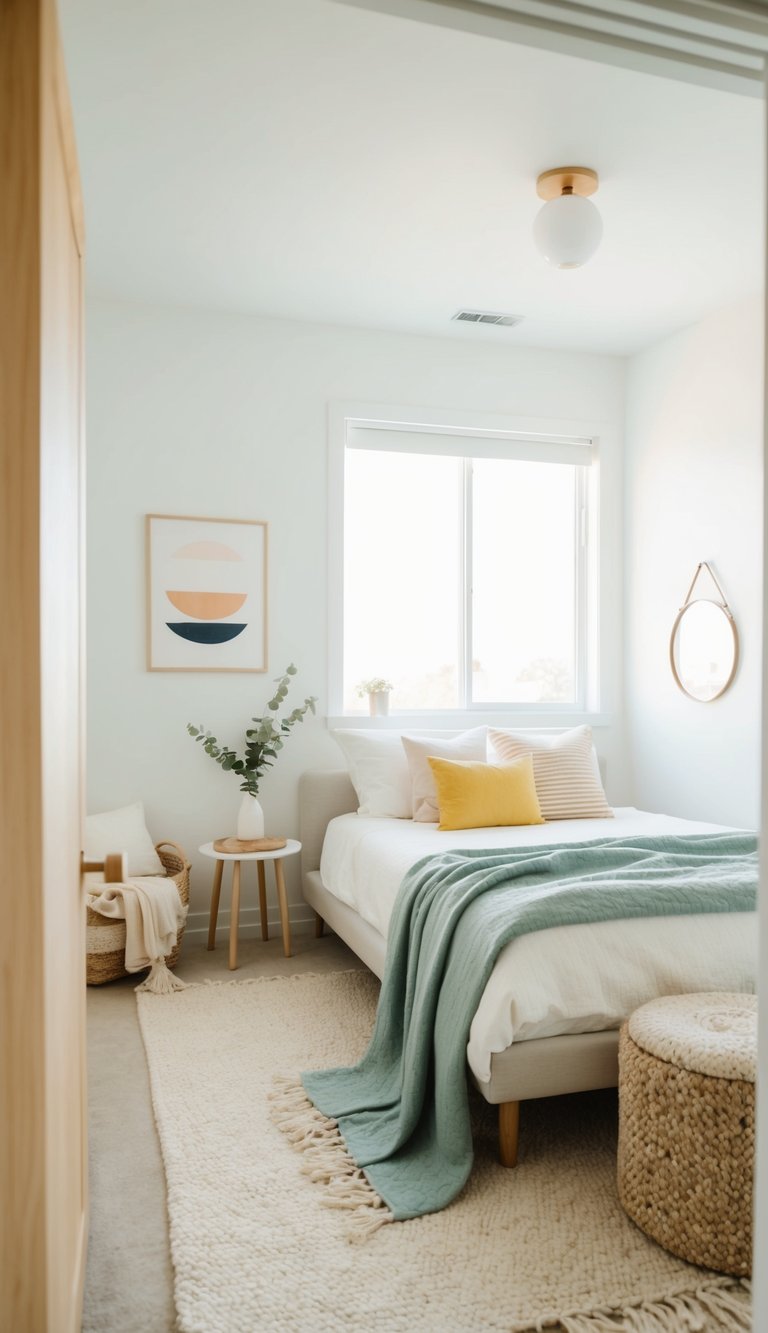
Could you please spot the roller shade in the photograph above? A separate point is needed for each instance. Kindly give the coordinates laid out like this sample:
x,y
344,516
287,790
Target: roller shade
x,y
469,444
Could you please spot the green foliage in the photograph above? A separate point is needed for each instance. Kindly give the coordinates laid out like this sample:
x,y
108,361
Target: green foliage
x,y
376,685
263,741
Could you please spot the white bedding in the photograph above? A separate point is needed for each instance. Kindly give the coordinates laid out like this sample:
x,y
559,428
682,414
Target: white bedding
x,y
568,979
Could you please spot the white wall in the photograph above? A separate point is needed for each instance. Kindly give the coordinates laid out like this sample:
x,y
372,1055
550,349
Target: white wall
x,y
693,488
191,412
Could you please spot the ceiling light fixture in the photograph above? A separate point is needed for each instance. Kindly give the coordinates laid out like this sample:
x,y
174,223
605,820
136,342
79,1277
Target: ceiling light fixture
x,y
567,230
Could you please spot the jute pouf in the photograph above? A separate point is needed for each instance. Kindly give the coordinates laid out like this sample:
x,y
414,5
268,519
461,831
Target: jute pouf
x,y
687,1125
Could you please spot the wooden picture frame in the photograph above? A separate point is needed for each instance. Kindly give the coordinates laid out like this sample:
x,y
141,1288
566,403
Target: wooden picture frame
x,y
206,593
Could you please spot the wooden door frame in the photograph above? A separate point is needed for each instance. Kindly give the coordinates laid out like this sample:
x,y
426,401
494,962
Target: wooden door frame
x,y
36,1290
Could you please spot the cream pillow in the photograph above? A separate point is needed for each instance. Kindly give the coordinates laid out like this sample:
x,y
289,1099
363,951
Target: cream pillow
x,y
469,745
378,770
480,795
567,777
123,830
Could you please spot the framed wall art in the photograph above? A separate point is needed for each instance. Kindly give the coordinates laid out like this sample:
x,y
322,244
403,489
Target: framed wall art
x,y
206,594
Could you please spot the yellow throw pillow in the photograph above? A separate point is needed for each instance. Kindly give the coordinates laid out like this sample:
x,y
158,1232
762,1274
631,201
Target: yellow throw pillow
x,y
477,795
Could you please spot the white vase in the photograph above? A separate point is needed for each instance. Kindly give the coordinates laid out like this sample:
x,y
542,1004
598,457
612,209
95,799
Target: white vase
x,y
250,819
378,703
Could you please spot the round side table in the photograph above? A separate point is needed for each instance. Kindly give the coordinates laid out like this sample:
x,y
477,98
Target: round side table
x,y
236,858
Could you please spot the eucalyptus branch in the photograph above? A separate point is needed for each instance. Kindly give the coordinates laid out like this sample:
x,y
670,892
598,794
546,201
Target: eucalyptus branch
x,y
263,741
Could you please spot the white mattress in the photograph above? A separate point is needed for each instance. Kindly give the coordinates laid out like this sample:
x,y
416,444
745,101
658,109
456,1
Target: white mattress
x,y
568,979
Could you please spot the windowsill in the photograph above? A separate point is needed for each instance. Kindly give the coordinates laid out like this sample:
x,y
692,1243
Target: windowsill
x,y
460,719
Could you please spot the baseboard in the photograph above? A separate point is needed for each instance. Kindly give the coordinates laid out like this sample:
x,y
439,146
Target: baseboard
x,y
249,927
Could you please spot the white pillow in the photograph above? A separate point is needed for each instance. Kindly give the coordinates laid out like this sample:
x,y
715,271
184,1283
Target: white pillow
x,y
378,769
468,745
123,830
565,771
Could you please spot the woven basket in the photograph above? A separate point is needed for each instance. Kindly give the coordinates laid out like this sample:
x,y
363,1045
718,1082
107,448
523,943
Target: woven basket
x,y
105,937
686,1158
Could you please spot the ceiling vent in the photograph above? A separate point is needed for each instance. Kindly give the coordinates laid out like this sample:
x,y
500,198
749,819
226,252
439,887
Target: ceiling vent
x,y
487,317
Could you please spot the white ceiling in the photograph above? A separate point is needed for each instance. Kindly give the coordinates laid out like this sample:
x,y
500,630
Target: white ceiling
x,y
308,159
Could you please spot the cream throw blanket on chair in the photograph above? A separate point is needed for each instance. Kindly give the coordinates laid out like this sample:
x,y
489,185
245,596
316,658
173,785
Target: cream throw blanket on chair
x,y
153,913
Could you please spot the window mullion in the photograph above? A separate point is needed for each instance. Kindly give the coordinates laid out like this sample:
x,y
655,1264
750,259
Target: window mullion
x,y
465,647
580,590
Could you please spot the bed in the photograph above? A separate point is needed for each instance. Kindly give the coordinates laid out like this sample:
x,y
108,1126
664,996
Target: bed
x,y
549,1017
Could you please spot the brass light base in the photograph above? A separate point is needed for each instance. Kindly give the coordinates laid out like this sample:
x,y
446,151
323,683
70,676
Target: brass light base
x,y
570,180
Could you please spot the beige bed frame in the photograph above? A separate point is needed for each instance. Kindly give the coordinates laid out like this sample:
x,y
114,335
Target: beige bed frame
x,y
545,1067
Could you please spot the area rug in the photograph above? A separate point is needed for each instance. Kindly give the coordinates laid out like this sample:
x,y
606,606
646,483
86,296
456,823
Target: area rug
x,y
255,1248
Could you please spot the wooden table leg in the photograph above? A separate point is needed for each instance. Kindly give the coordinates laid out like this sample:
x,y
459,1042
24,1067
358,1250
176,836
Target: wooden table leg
x,y
217,874
263,900
234,918
319,925
283,904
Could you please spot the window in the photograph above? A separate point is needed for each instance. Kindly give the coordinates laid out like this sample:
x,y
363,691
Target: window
x,y
465,569
524,581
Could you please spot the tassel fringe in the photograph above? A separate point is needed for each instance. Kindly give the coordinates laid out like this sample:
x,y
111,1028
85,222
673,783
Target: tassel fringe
x,y
327,1160
687,1312
160,980
281,977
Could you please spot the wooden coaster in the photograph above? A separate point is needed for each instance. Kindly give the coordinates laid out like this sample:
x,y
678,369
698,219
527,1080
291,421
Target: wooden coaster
x,y
234,845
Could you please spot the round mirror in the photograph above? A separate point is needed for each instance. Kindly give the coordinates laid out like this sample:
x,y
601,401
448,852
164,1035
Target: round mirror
x,y
703,650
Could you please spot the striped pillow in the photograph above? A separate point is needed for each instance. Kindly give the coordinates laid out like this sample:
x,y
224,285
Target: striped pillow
x,y
565,771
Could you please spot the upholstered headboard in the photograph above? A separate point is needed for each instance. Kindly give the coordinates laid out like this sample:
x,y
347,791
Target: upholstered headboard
x,y
323,794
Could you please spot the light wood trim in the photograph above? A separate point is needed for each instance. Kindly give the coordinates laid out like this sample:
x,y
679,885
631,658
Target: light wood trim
x,y
263,900
215,895
282,899
23,1286
43,1183
62,627
68,147
509,1127
82,1239
78,229
234,917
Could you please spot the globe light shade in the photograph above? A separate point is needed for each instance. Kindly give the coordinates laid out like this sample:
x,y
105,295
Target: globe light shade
x,y
567,230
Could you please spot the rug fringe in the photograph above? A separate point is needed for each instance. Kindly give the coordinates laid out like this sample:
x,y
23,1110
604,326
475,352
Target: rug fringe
x,y
278,976
160,981
163,988
327,1160
687,1312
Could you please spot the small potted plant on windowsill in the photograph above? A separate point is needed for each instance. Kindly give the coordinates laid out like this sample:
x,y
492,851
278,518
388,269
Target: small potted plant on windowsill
x,y
377,690
262,744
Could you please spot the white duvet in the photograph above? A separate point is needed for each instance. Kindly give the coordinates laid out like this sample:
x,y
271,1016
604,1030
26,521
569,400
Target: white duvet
x,y
568,979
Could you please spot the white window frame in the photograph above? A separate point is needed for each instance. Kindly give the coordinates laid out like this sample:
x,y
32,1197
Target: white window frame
x,y
536,439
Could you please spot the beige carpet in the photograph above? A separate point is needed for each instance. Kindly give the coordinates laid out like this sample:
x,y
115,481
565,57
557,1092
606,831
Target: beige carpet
x,y
253,1247
129,1275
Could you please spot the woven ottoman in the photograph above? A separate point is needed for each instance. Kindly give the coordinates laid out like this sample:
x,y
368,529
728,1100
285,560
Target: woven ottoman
x,y
687,1125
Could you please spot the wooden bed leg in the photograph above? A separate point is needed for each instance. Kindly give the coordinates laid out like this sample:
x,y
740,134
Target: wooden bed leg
x,y
509,1124
319,925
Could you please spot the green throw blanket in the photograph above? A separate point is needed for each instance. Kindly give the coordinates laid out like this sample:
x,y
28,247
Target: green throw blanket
x,y
403,1110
